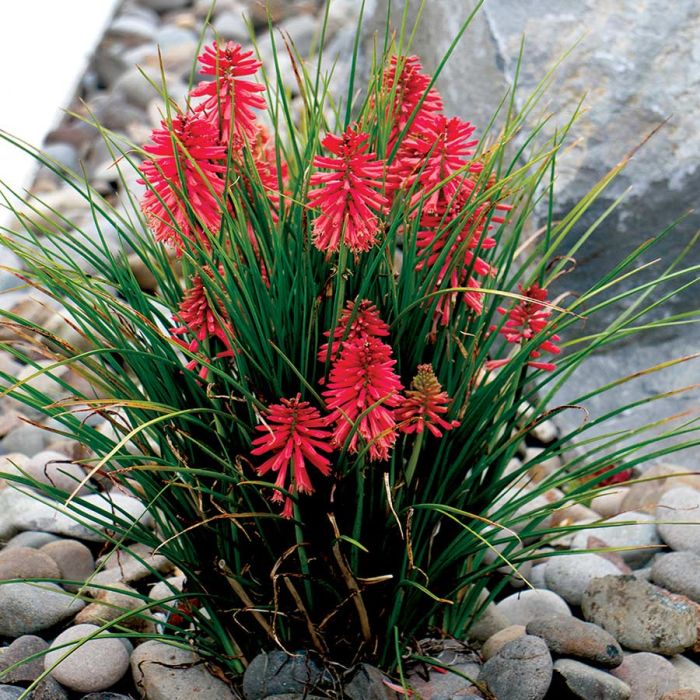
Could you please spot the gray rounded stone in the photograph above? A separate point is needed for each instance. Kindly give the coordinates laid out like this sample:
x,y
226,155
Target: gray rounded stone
x,y
573,679
537,576
275,672
648,675
569,574
568,636
31,538
135,88
10,692
679,572
231,25
9,260
168,588
522,670
645,495
22,648
170,36
55,469
165,5
113,113
27,607
163,672
49,689
125,567
302,27
678,516
681,694
93,665
491,621
47,383
521,608
641,616
21,511
31,438
437,685
688,672
133,27
496,642
13,463
115,506
365,682
106,696
74,560
112,603
639,533
64,155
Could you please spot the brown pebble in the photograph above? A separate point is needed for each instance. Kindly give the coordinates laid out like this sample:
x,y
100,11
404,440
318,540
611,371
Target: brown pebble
x,y
25,562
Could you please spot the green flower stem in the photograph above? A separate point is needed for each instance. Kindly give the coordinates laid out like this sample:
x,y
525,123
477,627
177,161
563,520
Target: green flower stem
x,y
340,289
303,557
411,468
357,525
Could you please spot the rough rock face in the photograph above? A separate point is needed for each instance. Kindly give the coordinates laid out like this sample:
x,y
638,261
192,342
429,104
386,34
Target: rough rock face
x,y
630,66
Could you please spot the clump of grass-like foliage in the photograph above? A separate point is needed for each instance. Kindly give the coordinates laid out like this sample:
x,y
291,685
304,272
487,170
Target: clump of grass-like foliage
x,y
349,339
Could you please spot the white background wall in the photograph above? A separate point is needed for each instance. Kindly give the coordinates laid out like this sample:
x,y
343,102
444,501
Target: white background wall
x,y
44,49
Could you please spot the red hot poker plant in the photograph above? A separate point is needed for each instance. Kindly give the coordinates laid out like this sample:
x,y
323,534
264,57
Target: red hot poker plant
x,y
429,194
306,274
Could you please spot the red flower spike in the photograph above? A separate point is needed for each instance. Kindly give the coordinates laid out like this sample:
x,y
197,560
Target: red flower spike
x,y
265,160
366,323
470,240
188,163
362,376
228,97
526,321
201,318
437,154
348,196
409,87
295,433
424,405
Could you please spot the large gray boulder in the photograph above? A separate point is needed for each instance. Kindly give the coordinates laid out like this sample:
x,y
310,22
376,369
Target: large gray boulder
x,y
631,68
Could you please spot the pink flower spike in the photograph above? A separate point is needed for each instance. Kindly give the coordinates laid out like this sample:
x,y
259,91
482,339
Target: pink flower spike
x,y
187,164
295,434
526,320
228,97
439,155
201,316
424,405
409,85
349,196
363,380
366,323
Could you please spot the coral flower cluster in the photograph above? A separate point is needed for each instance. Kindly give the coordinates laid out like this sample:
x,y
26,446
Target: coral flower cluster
x,y
425,405
348,196
526,323
217,190
294,434
429,160
185,171
367,409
